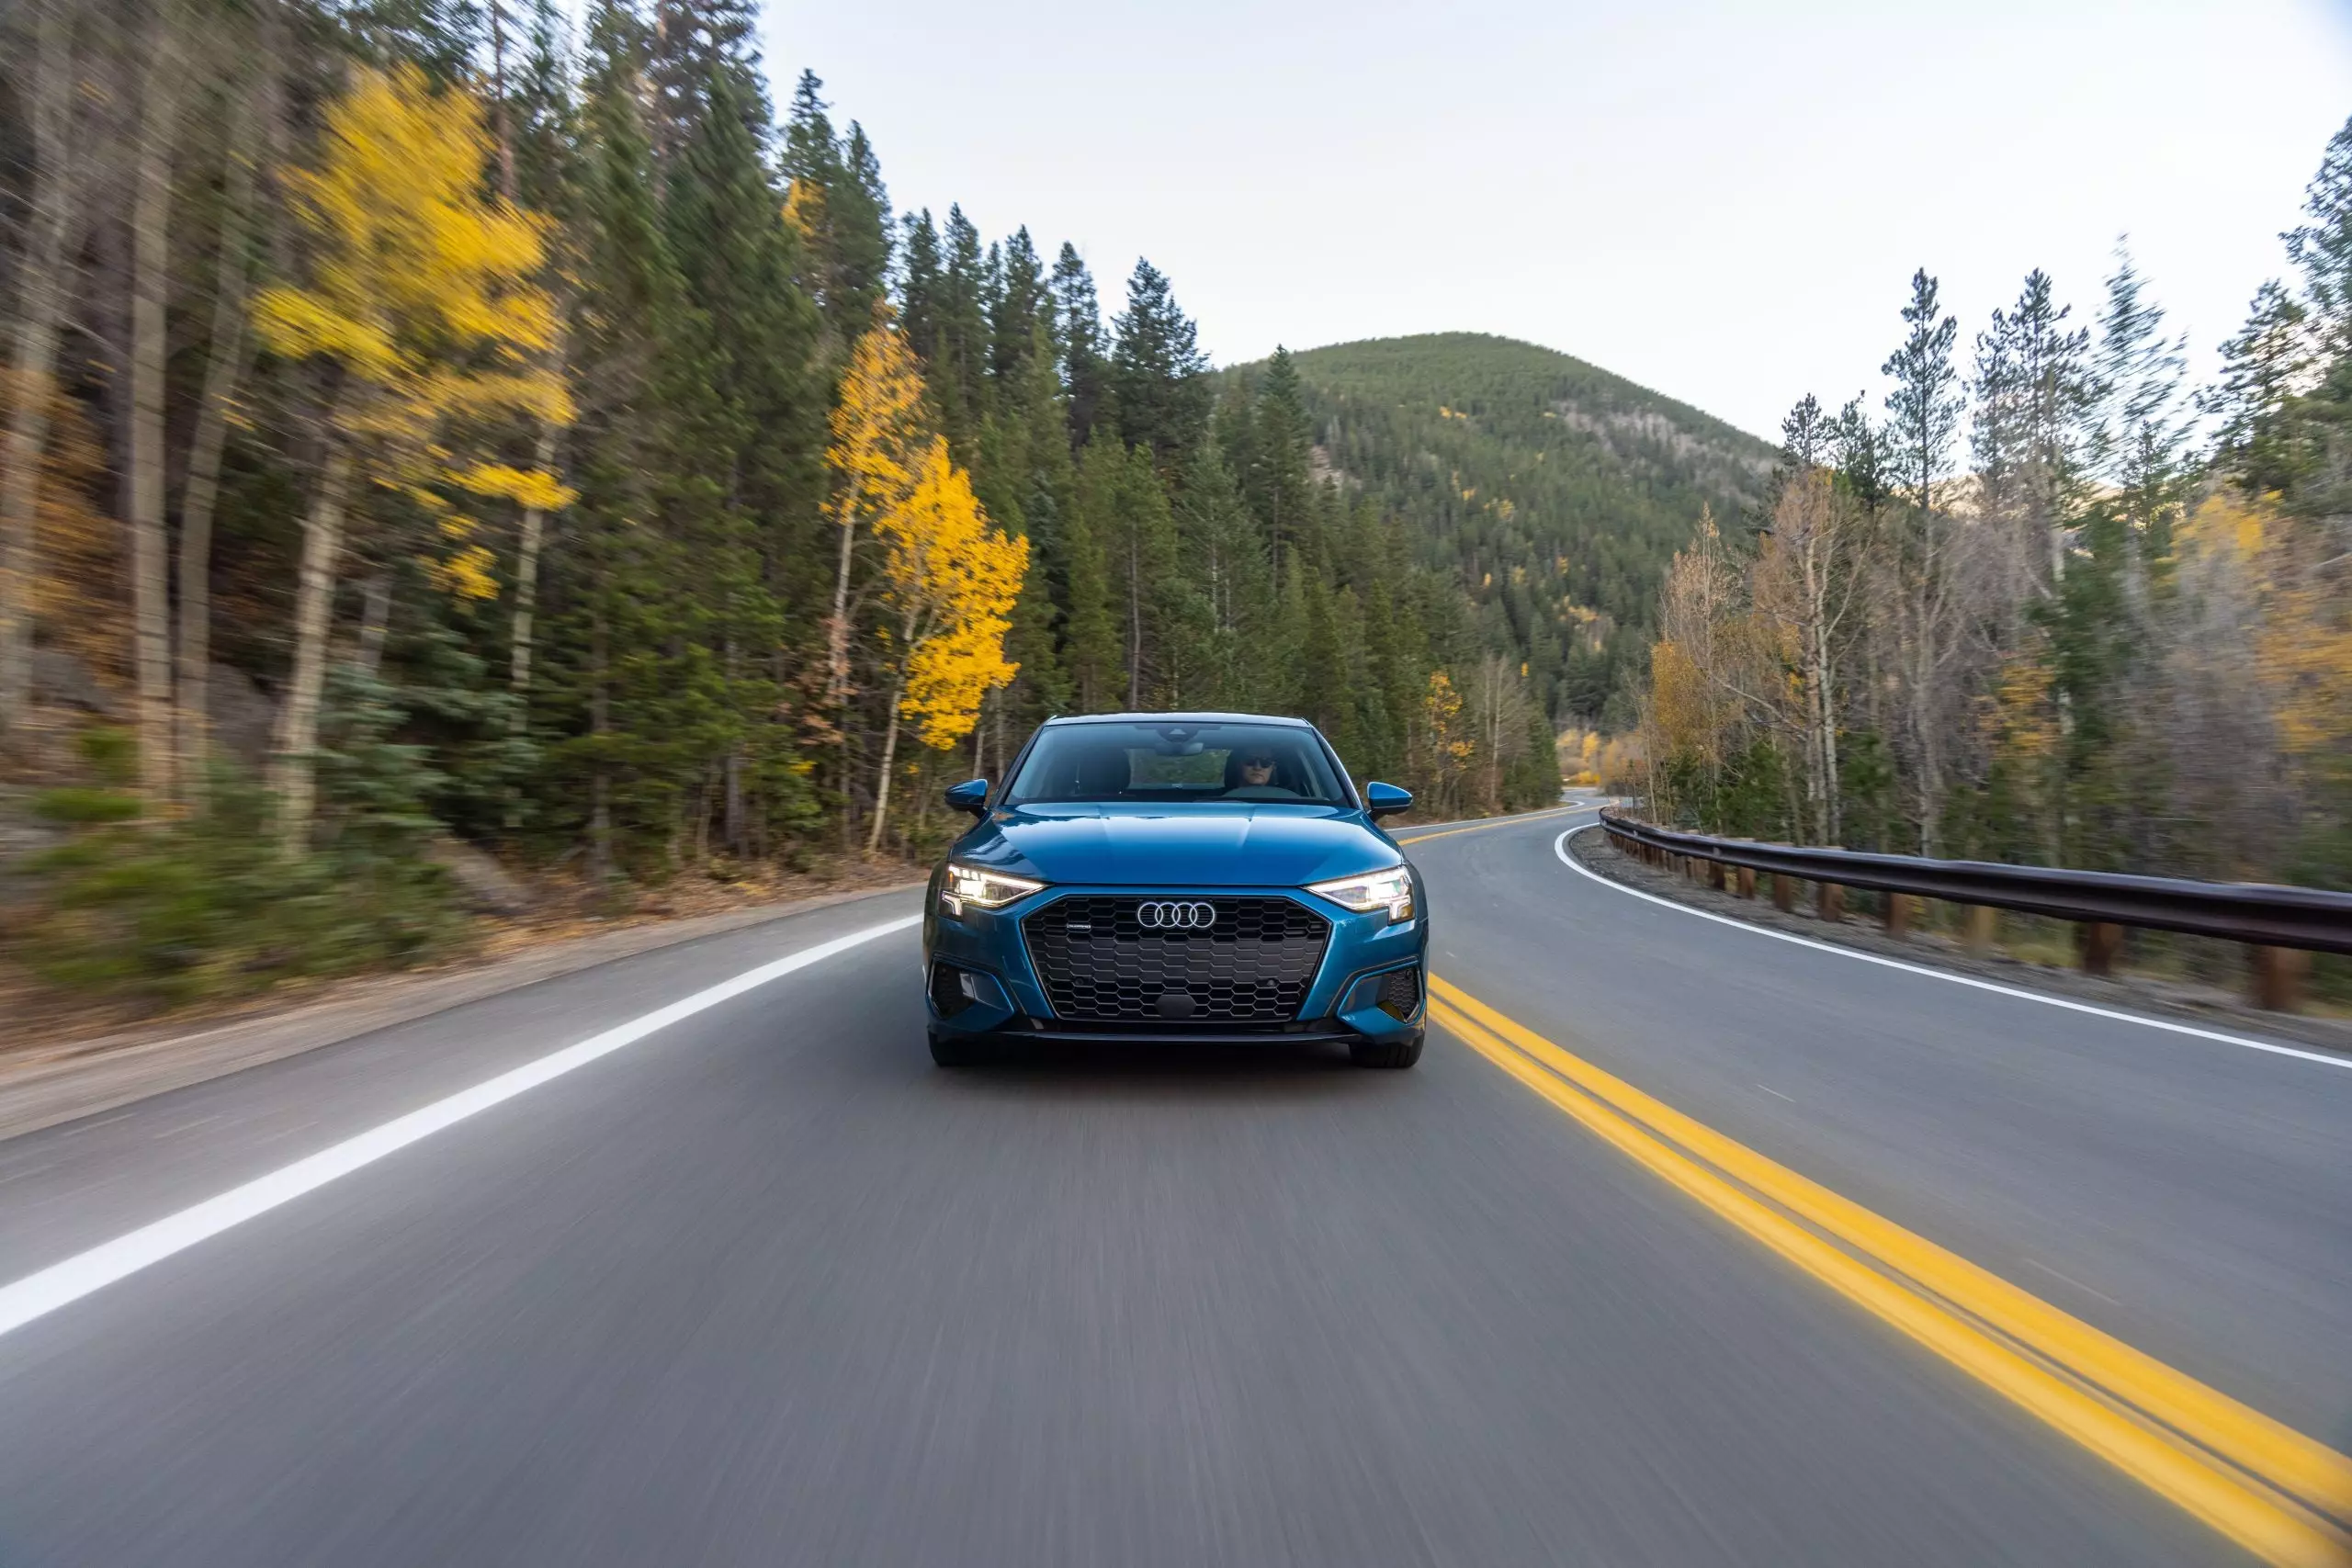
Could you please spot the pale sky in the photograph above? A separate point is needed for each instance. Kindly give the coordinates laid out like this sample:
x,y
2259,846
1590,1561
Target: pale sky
x,y
1722,202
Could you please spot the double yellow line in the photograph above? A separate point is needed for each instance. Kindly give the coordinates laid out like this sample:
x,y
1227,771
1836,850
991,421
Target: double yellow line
x,y
2278,1494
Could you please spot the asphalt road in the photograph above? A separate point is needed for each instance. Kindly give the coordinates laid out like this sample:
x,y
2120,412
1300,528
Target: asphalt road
x,y
764,1287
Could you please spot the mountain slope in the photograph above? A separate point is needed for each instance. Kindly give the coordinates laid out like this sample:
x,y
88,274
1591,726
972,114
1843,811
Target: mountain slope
x,y
1558,492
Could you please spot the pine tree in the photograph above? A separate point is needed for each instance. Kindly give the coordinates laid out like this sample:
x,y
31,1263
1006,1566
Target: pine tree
x,y
1078,335
1805,436
442,38
1031,480
1282,489
2034,397
1020,305
840,208
2261,368
1092,649
958,366
919,284
1858,453
861,213
2321,247
1223,557
689,45
1157,380
2141,429
1925,408
626,304
739,260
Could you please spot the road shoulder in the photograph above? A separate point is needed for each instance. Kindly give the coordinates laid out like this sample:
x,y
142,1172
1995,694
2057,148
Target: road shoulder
x,y
2202,1005
44,1087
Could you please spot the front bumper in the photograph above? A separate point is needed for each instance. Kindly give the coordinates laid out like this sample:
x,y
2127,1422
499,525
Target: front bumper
x,y
992,987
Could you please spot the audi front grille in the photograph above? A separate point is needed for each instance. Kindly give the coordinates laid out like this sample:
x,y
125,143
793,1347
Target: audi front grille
x,y
1200,960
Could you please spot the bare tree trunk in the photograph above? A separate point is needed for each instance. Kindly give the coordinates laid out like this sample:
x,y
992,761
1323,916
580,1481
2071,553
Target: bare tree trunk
x,y
731,771
225,368
1825,699
292,777
500,129
375,620
150,593
837,628
526,594
1135,618
40,305
909,626
600,793
889,759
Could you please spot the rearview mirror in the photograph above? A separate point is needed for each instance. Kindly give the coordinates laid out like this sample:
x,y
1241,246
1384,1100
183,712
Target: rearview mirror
x,y
971,796
1386,799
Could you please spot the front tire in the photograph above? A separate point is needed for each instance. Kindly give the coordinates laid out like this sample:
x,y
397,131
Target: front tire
x,y
1390,1054
955,1050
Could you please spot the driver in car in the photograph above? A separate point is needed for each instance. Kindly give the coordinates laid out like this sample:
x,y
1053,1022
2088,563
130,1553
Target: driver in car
x,y
1250,770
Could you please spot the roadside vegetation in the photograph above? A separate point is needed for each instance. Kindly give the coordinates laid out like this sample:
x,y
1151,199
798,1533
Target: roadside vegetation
x,y
2050,604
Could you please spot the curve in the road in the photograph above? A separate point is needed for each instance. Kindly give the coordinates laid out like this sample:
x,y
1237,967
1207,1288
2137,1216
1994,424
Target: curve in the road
x,y
1560,848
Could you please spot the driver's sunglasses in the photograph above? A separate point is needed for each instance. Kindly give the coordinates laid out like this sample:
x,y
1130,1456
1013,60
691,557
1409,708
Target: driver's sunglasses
x,y
1257,761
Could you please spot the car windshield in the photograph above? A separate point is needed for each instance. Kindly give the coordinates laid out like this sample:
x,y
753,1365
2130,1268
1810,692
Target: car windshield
x,y
1175,761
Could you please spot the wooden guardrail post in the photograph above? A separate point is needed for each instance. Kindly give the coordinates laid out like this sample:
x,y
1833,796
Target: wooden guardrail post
x,y
1833,901
2099,940
1896,914
1784,893
2277,974
1716,872
1984,925
1747,882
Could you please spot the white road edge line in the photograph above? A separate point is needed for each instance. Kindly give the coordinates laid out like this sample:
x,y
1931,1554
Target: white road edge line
x,y
62,1284
1560,848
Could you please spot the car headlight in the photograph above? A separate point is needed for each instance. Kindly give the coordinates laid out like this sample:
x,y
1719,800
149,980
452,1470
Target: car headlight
x,y
1391,890
981,889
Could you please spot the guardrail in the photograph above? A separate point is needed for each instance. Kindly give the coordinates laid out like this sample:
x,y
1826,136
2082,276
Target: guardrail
x,y
2281,926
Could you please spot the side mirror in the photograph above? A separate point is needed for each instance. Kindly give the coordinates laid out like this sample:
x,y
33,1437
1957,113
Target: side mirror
x,y
971,796
1386,800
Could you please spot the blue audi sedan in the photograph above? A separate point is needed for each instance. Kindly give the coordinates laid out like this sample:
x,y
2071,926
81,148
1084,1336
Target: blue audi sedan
x,y
1178,877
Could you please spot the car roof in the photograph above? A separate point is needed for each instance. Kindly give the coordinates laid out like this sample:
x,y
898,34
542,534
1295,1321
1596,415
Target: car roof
x,y
1181,718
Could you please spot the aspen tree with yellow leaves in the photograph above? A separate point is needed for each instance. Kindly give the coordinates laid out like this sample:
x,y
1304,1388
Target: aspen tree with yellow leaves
x,y
950,581
877,446
420,295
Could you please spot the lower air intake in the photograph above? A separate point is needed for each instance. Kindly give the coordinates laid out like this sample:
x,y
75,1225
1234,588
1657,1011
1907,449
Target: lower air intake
x,y
1251,964
947,990
1400,992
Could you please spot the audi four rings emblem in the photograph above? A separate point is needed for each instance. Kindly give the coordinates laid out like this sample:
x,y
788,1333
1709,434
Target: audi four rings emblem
x,y
1176,916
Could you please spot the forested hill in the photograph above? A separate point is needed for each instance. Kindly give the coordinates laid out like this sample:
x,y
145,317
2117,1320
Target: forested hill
x,y
1556,491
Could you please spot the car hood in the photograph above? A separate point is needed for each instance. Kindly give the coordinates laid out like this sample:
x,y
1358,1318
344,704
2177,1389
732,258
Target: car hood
x,y
1228,844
